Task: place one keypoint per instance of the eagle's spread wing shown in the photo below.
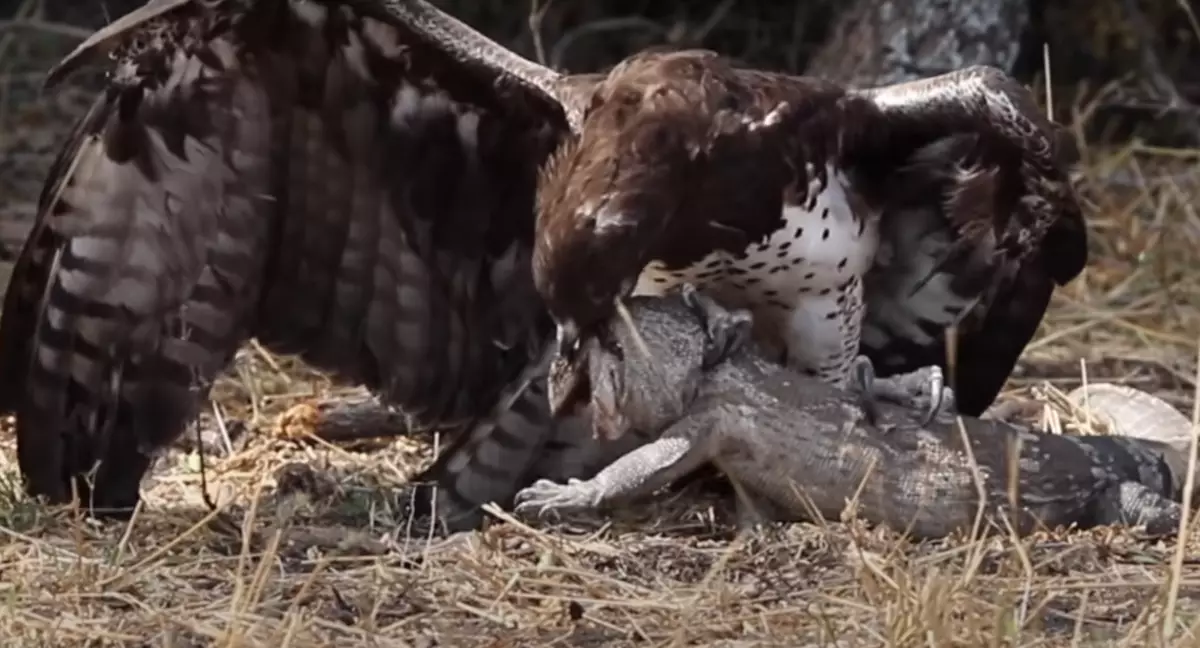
(347, 180)
(980, 221)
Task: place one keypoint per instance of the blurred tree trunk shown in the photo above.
(879, 42)
(91, 14)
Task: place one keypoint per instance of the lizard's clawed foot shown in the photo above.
(546, 498)
(923, 389)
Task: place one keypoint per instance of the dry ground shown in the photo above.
(307, 546)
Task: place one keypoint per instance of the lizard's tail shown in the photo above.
(1133, 413)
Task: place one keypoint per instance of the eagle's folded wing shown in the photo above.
(980, 224)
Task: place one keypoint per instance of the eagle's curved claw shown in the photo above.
(545, 498)
(924, 389)
(941, 397)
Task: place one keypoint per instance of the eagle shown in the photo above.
(355, 182)
(857, 225)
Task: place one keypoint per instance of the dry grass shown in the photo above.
(308, 545)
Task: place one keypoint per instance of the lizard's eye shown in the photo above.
(612, 345)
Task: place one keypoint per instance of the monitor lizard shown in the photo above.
(792, 444)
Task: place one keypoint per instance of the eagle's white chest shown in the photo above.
(803, 283)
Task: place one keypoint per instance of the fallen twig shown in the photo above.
(342, 420)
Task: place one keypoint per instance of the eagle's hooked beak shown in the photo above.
(567, 370)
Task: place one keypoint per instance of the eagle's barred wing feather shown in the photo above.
(322, 175)
(138, 278)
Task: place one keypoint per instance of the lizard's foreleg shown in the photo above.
(683, 448)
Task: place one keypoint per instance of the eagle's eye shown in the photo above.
(597, 100)
(659, 91)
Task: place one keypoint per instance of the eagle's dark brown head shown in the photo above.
(608, 201)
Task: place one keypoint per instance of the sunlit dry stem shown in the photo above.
(637, 337)
(1181, 540)
(1049, 84)
(640, 341)
(951, 342)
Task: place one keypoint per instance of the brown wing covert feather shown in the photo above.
(348, 181)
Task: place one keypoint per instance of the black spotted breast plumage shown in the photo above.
(804, 281)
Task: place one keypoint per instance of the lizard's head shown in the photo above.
(647, 378)
(618, 195)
